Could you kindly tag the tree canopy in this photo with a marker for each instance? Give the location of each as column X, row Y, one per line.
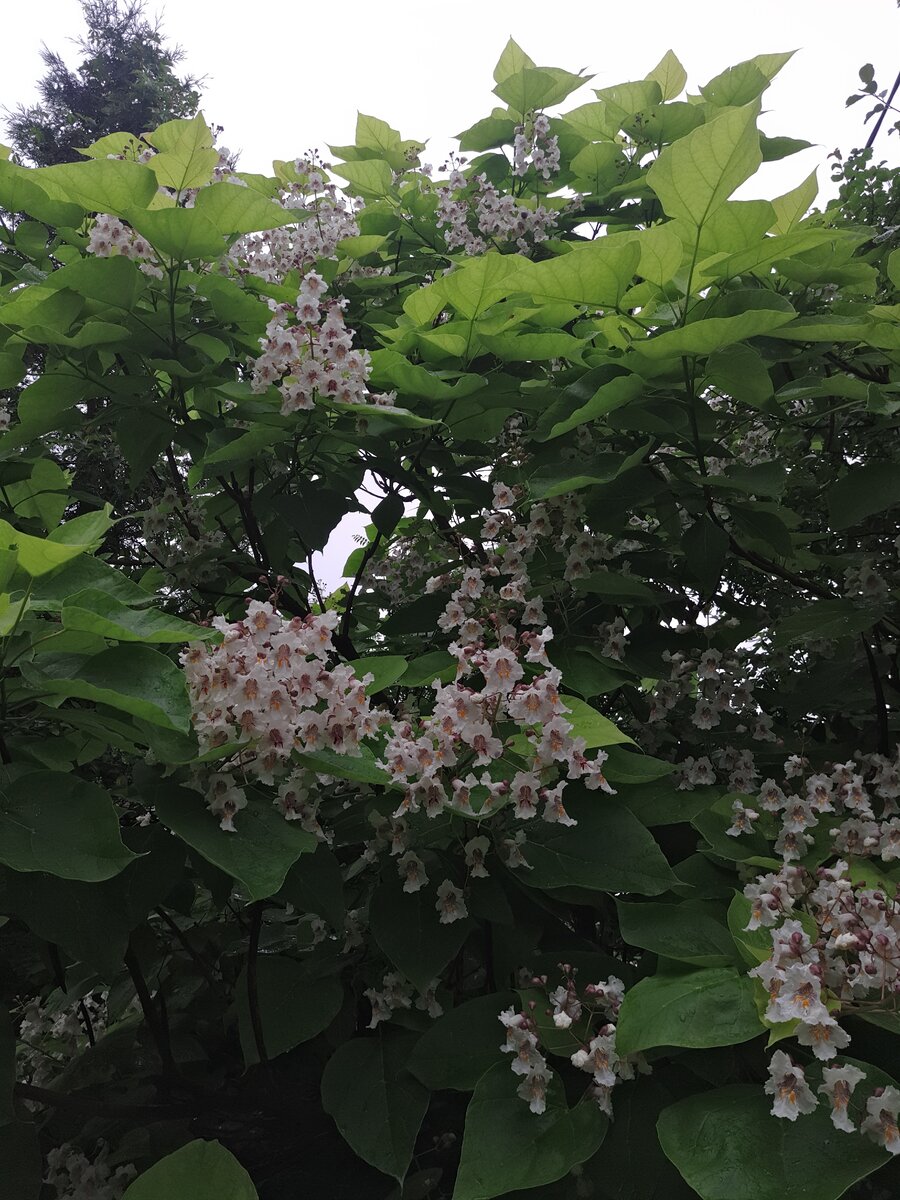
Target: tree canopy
column 126, row 80
column 555, row 852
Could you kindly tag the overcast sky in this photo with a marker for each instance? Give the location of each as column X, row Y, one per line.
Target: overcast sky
column 283, row 76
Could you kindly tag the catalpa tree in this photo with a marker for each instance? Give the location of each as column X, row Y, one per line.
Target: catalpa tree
column 556, row 851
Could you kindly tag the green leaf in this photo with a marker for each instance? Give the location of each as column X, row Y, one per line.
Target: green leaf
column 534, row 347
column 793, row 206
column 607, row 398
column 760, row 523
column 87, row 530
column 393, row 370
column 695, row 175
column 98, row 612
column 506, row 1146
column 692, row 931
column 117, row 282
column 314, row 885
column 359, row 247
column 371, row 178
column 712, row 1007
column 487, row 133
column 360, row 767
column 728, row 1146
column 186, row 157
column 632, row 1165
column 480, row 282
column 456, row 1050
column 198, row 1171
column 312, row 512
column 428, row 667
column 92, row 921
column 712, row 333
column 387, row 513
column 50, row 592
column 610, row 851
column 376, row 1104
column 375, row 134
column 744, row 82
column 387, row 669
column 294, row 1006
column 407, row 928
column 587, row 723
column 132, row 678
column 102, row 185
column 531, row 88
column 179, row 233
column 755, row 945
column 234, row 210
column 823, row 619
column 597, row 274
column 259, row 855
column 62, row 825
column 21, row 1166
column 622, row 589
column 19, row 192
column 705, row 547
column 37, row 556
column 740, row 372
column 44, row 496
column 599, row 164
column 670, row 75
column 630, row 767
column 865, row 490
column 511, row 61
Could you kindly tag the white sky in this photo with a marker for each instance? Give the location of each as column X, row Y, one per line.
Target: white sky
column 283, row 76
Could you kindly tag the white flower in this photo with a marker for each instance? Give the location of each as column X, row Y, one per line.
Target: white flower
column 800, row 997
column 533, row 1088
column 450, row 903
column 881, row 1123
column 788, row 1085
column 599, row 1059
column 825, row 1038
column 838, row 1084
column 412, row 871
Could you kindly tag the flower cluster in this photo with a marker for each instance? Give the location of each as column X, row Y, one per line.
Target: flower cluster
column 396, row 993
column 534, row 146
column 844, row 796
column 110, row 236
column 74, row 1176
column 714, row 685
column 839, row 953
column 503, row 679
column 308, row 352
column 50, row 1035
column 323, row 218
column 851, row 948
column 267, row 688
column 475, row 215
column 793, row 1097
column 590, row 1013
column 176, row 538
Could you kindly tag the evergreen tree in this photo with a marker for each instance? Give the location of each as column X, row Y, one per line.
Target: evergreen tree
column 126, row 81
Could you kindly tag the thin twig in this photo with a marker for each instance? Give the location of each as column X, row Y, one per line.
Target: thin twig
column 187, row 947
column 881, row 712
column 158, row 1030
column 256, row 915
column 884, row 112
